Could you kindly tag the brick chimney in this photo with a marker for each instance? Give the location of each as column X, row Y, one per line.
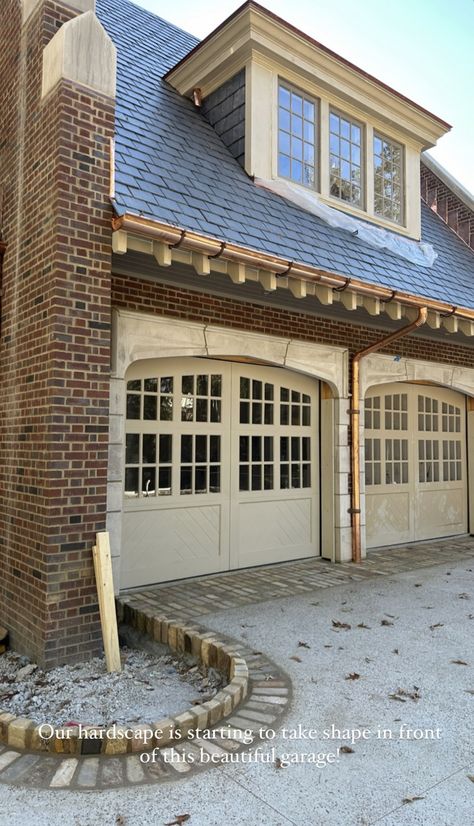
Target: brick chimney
column 57, row 105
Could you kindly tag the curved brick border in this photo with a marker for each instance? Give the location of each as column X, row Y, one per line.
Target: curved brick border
column 267, row 701
column 22, row 733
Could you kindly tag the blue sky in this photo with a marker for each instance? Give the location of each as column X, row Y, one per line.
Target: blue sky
column 422, row 48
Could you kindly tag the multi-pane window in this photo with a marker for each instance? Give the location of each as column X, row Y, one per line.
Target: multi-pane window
column 295, row 462
column 388, row 163
column 256, row 463
column 345, row 146
column 200, row 465
column 452, row 465
column 148, row 464
column 396, row 461
column 150, row 399
column 428, row 460
column 295, row 407
column 256, row 401
column 296, row 136
column 396, row 412
column 372, row 413
column 428, row 418
column 201, row 398
column 373, row 462
column 451, row 418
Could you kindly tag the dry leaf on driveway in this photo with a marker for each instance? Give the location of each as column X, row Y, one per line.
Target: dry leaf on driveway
column 339, row 624
column 302, row 644
column 386, row 622
column 412, row 799
column 436, row 625
column 296, row 658
column 346, row 750
column 458, row 662
column 178, row 820
column 353, row 676
column 363, row 625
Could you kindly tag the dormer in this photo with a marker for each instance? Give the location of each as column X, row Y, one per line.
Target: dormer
column 290, row 109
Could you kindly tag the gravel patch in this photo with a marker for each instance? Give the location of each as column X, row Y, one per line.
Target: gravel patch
column 154, row 683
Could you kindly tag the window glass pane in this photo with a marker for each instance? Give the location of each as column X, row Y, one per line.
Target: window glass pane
column 345, row 159
column 148, row 481
column 201, row 385
column 166, row 384
column 164, row 481
column 186, row 449
column 133, row 407
column 131, row 481
column 149, row 449
column 296, row 136
column 150, row 385
column 165, row 449
column 132, row 449
column 388, row 160
column 150, row 407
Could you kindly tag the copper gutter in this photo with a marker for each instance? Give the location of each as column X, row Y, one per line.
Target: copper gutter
column 195, row 242
column 355, row 423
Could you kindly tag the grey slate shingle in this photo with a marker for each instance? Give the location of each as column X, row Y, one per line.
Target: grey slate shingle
column 172, row 166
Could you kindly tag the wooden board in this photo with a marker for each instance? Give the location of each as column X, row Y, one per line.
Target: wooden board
column 106, row 598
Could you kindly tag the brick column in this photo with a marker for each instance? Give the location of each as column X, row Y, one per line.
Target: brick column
column 58, row 108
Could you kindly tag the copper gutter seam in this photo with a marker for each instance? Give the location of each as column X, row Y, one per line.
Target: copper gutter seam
column 354, row 413
column 195, row 242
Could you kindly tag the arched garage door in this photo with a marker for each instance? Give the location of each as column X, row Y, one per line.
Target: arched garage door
column 415, row 464
column 221, row 468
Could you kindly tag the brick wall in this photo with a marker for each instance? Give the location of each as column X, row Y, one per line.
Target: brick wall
column 192, row 305
column 447, row 205
column 55, row 345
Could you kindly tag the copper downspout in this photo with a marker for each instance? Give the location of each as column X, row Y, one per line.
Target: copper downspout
column 355, row 422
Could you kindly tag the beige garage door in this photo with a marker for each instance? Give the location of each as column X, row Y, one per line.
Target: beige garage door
column 221, row 468
column 415, row 464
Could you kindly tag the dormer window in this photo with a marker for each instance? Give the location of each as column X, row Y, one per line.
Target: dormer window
column 388, row 184
column 345, row 147
column 293, row 112
column 296, row 136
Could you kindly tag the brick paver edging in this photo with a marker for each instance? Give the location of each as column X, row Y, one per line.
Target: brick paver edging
column 22, row 733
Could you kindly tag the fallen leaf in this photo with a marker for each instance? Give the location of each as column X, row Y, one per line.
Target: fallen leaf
column 302, row 644
column 412, row 799
column 418, row 585
column 278, row 763
column 296, row 658
column 346, row 750
column 396, row 697
column 256, row 652
column 119, row 820
column 470, row 616
column 314, row 603
column 313, row 680
column 328, row 646
column 386, row 622
column 471, row 777
column 353, row 676
column 401, row 693
column 179, row 819
column 396, row 651
column 464, row 596
column 392, row 616
column 458, row 662
column 469, row 691
column 338, row 624
column 436, row 625
column 363, row 625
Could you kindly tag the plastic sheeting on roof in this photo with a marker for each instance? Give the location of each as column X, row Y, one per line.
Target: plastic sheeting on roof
column 417, row 252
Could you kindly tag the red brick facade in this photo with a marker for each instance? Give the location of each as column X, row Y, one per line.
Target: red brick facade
column 55, row 345
column 149, row 297
column 447, row 205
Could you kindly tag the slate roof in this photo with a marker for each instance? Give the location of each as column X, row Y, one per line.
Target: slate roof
column 172, row 166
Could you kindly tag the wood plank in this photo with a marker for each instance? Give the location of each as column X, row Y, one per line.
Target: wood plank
column 106, row 598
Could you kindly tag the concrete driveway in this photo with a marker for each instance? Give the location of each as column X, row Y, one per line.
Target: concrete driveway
column 396, row 687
